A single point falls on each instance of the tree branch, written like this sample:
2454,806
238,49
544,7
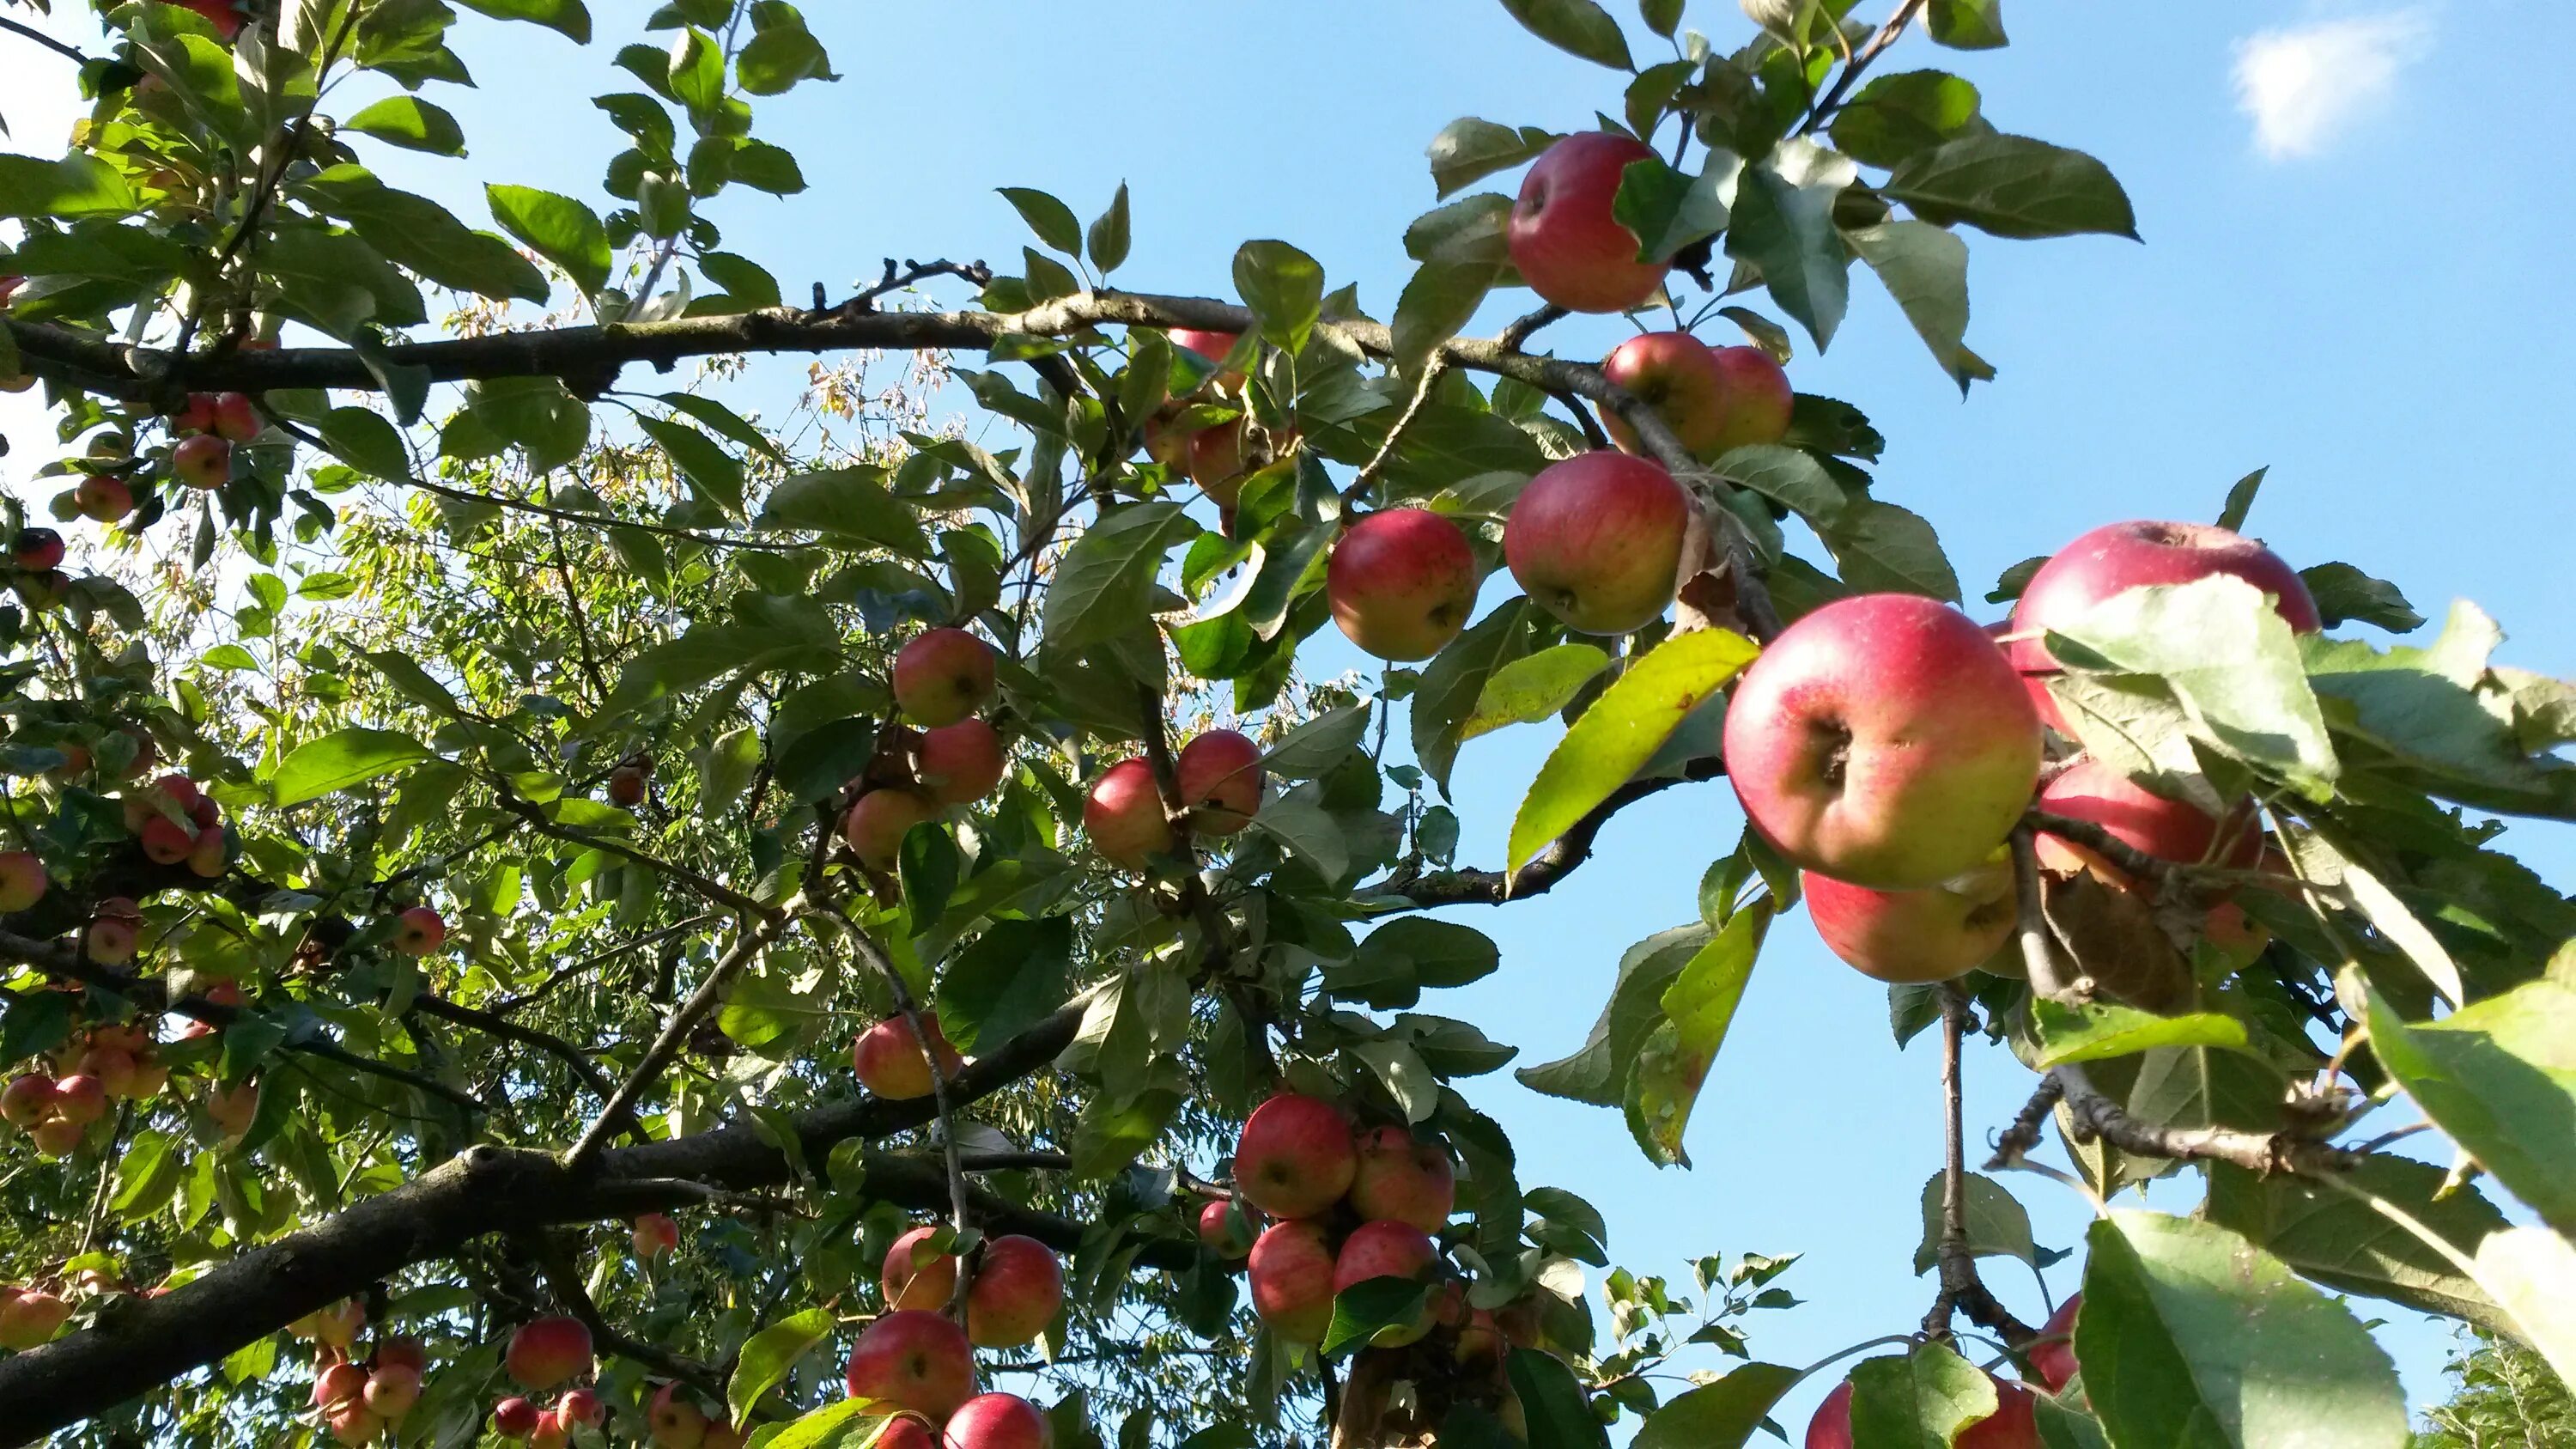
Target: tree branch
68,52
1471,886
2096,1115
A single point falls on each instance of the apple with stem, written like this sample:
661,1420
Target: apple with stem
1934,933
1401,582
1220,778
1563,235
942,676
1124,819
1597,541
913,1359
1713,398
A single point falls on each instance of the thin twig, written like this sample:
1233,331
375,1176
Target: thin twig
70,52
1823,110
509,1004
2096,1115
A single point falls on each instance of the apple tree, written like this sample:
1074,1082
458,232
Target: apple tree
548,902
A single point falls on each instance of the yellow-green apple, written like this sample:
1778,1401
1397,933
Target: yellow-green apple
1934,933
419,931
2118,557
1219,773
204,461
1226,1226
1883,740
1597,541
2053,1357
1017,1289
37,549
1713,398
22,881
1563,237
1295,1157
916,1275
58,1136
515,1418
232,1108
1123,816
1401,582
392,1389
582,1407
28,1100
876,825
913,1359
2167,829
32,1317
962,762
1291,1275
653,1235
1387,1249
547,1351
1404,1180
675,1422
942,676
102,498
996,1421
335,1327
891,1063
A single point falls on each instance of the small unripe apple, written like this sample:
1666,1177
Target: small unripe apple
1404,1180
876,825
891,1063
1713,398
1291,1277
37,549
654,1235
419,931
103,498
1401,583
80,1099
204,461
962,762
22,881
1220,779
28,1100
942,676
1569,246
1295,1156
913,1359
1123,816
1936,933
547,1351
1228,1229
996,1421
1387,1249
1597,541
515,1418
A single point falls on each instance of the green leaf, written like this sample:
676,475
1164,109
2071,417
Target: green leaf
229,657
852,1423
1661,16
2012,186
1722,1415
1052,220
147,1176
2420,711
2192,1337
1577,27
411,123
1312,749
1467,150
1470,229
1301,824
1784,227
1926,270
1284,287
2105,1029
1108,238
558,228
1455,679
1532,689
1105,582
364,439
1787,476
846,503
2240,500
341,759
1668,209
772,62
2532,1273
1435,306
769,1355
1434,953
1598,1072
413,682
77,185
1698,1008
815,764
2344,1243
1621,731
1012,977
2344,593
926,865
1967,24
1895,116
1408,1079
1998,1225
2499,1076
1363,1309
696,73
567,16
1559,1415
1919,1401
416,232
713,473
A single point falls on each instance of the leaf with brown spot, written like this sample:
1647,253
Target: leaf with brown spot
2113,936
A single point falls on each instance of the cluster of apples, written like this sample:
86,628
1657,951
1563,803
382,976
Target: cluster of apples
919,1364
358,1400
1220,779
1887,745
110,1063
2015,1422
941,678
209,426
175,821
1215,458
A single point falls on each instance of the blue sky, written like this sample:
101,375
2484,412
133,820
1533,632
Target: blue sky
2350,212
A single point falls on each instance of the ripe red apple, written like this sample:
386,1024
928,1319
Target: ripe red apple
996,1421
2013,1425
113,1068
2053,1359
1291,1275
392,1389
79,1099
232,1109
2118,557
942,676
1831,1428
1401,583
890,1062
31,1318
419,931
906,1431
914,1359
915,1277
37,549
1295,1157
547,1351
1017,1289
962,762
22,881
1883,740
1227,1233
1713,398
219,13
654,1234
1404,1180
28,1100
1219,774
551,1432
626,787
581,1406
403,1352
102,498
338,1383
1387,1249
204,461
1123,815
876,825
1597,541
1211,345
1563,237
166,841
675,1422
212,853
236,420
2172,830
1935,933
1213,458
515,1418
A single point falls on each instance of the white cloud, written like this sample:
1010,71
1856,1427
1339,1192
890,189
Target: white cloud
2303,84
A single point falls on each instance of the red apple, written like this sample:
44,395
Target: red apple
996,1421
1291,1274
219,13
113,1068
419,931
890,1062
166,841
102,498
1214,459
876,825
1831,1428
675,1422
338,1383
109,941
2053,1358
1935,933
1713,398
721,1435
962,762
1883,740
914,1359
1227,1232
1401,583
1017,1289
28,1100
2118,557
32,1317
2013,1425
1123,815
626,787
547,1351
204,461
403,1352
1295,1157
79,1099
36,549
1214,346
551,1432
212,853
1597,541
58,1136
906,1431
1404,1180
22,881
392,1389
232,1109
581,1406
515,1418
2172,830
915,1277
1563,237
1387,1249
654,1234
236,420
942,676
1219,774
